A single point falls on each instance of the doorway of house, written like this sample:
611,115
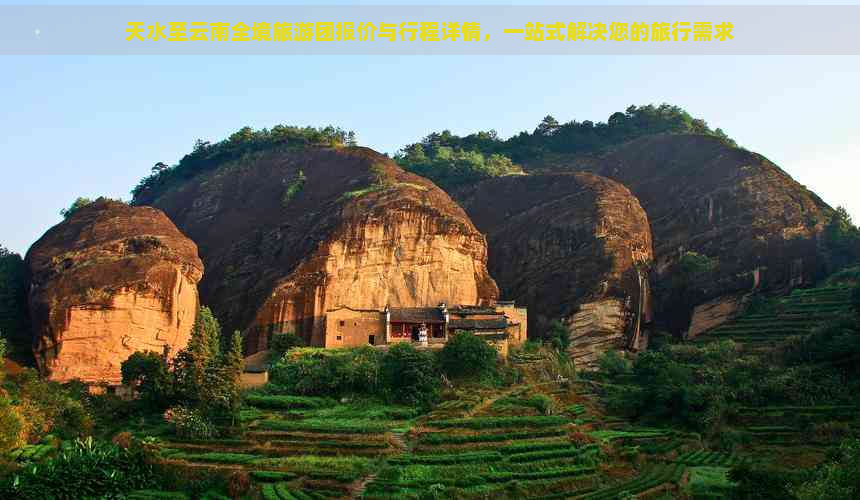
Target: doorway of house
371,339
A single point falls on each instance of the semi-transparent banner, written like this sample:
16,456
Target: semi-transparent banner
417,30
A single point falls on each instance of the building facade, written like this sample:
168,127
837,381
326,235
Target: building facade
502,325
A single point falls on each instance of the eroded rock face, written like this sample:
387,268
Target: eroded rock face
571,247
727,203
108,281
360,232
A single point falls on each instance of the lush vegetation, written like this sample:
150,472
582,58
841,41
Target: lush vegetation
207,156
842,239
451,160
401,374
14,325
201,386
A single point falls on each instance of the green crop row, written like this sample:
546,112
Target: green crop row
286,402
344,426
272,476
705,457
282,491
456,458
344,445
477,481
611,435
500,422
533,446
655,477
435,438
216,457
156,495
534,456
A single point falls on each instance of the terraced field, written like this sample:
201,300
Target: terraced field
525,441
795,314
299,447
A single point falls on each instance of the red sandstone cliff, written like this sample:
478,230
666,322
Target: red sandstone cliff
359,232
570,247
734,206
108,281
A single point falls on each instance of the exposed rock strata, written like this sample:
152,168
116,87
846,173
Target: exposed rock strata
360,233
571,247
108,281
729,204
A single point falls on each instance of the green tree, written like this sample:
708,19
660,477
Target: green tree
200,356
283,342
147,371
410,376
547,126
232,366
13,301
838,478
467,355
559,336
351,139
842,239
80,202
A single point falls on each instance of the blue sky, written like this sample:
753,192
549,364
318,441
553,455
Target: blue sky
90,126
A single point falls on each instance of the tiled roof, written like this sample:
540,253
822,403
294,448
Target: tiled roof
257,363
416,315
464,310
499,323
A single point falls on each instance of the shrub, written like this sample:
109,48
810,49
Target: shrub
467,355
559,336
148,372
47,408
85,469
11,427
318,372
838,478
410,376
612,364
761,483
189,422
283,342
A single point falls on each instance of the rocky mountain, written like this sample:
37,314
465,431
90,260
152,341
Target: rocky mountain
758,226
291,232
108,281
571,246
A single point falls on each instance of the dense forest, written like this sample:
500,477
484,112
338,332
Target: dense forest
451,160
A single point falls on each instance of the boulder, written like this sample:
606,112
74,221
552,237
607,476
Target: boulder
574,247
289,234
108,281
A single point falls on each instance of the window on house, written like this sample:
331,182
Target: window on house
343,323
339,337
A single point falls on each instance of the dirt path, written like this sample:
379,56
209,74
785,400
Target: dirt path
357,489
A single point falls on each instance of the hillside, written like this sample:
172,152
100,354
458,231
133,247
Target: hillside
106,282
571,247
288,233
752,226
